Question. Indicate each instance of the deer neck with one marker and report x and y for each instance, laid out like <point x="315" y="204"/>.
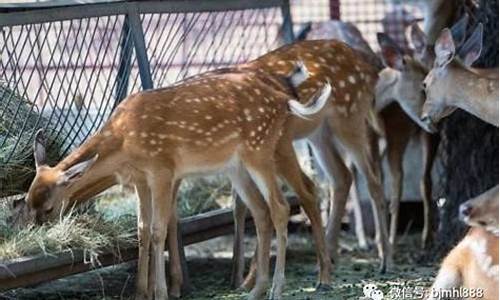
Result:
<point x="475" y="94"/>
<point x="385" y="90"/>
<point x="101" y="175"/>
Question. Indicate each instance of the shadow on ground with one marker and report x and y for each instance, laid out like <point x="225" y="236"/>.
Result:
<point x="210" y="267"/>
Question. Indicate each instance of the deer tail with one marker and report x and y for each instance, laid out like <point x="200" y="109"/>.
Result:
<point x="314" y="105"/>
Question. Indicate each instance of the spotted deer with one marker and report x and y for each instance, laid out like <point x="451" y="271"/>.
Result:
<point x="392" y="86"/>
<point x="230" y="121"/>
<point x="473" y="263"/>
<point x="452" y="84"/>
<point x="330" y="133"/>
<point x="400" y="82"/>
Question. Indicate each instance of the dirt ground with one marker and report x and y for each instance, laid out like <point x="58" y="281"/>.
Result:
<point x="210" y="267"/>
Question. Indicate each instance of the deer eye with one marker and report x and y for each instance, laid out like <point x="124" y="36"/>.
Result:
<point x="49" y="210"/>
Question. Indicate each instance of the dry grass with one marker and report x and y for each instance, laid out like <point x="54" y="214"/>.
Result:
<point x="107" y="225"/>
<point x="19" y="119"/>
<point x="89" y="232"/>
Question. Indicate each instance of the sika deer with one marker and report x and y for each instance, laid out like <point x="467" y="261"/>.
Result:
<point x="400" y="84"/>
<point x="453" y="84"/>
<point x="155" y="138"/>
<point x="345" y="124"/>
<point x="482" y="211"/>
<point x="473" y="263"/>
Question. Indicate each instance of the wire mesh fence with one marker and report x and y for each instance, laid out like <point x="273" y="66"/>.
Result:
<point x="67" y="75"/>
<point x="372" y="16"/>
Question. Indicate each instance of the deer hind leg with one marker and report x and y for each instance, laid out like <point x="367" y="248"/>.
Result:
<point x="144" y="214"/>
<point x="430" y="144"/>
<point x="238" y="268"/>
<point x="367" y="166"/>
<point x="395" y="154"/>
<point x="246" y="189"/>
<point x="175" y="264"/>
<point x="359" y="226"/>
<point x="289" y="169"/>
<point x="161" y="185"/>
<point x="340" y="177"/>
<point x="264" y="175"/>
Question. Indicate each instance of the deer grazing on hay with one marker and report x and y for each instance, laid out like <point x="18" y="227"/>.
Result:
<point x="346" y="125"/>
<point x="155" y="138"/>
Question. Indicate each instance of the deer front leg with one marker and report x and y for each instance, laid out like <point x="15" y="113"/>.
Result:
<point x="430" y="144"/>
<point x="239" y="214"/>
<point x="359" y="225"/>
<point x="176" y="273"/>
<point x="144" y="214"/>
<point x="175" y="260"/>
<point x="395" y="159"/>
<point x="161" y="191"/>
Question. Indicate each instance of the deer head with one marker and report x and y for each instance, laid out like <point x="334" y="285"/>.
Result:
<point x="423" y="51"/>
<point x="401" y="81"/>
<point x="482" y="211"/>
<point x="440" y="83"/>
<point x="48" y="194"/>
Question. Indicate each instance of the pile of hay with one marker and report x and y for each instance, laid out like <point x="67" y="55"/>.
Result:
<point x="108" y="225"/>
<point x="19" y="120"/>
<point x="89" y="231"/>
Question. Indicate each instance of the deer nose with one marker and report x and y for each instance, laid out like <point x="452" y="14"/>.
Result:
<point x="465" y="210"/>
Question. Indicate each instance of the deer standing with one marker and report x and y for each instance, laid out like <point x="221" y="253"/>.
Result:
<point x="345" y="126"/>
<point x="401" y="82"/>
<point x="155" y="138"/>
<point x="393" y="85"/>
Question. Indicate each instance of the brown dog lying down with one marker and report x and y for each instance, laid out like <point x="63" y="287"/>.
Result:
<point x="471" y="269"/>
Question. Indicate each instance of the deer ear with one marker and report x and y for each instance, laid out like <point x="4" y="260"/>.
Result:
<point x="39" y="151"/>
<point x="418" y="38"/>
<point x="392" y="55"/>
<point x="304" y="31"/>
<point x="459" y="30"/>
<point x="444" y="48"/>
<point x="471" y="49"/>
<point x="77" y="170"/>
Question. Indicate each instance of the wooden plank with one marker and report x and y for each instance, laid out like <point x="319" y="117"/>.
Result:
<point x="37" y="269"/>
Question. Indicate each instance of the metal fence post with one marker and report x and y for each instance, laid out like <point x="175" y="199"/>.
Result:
<point x="287" y="27"/>
<point x="335" y="9"/>
<point x="140" y="47"/>
<point x="122" y="80"/>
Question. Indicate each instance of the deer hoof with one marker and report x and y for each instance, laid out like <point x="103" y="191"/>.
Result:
<point x="323" y="287"/>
